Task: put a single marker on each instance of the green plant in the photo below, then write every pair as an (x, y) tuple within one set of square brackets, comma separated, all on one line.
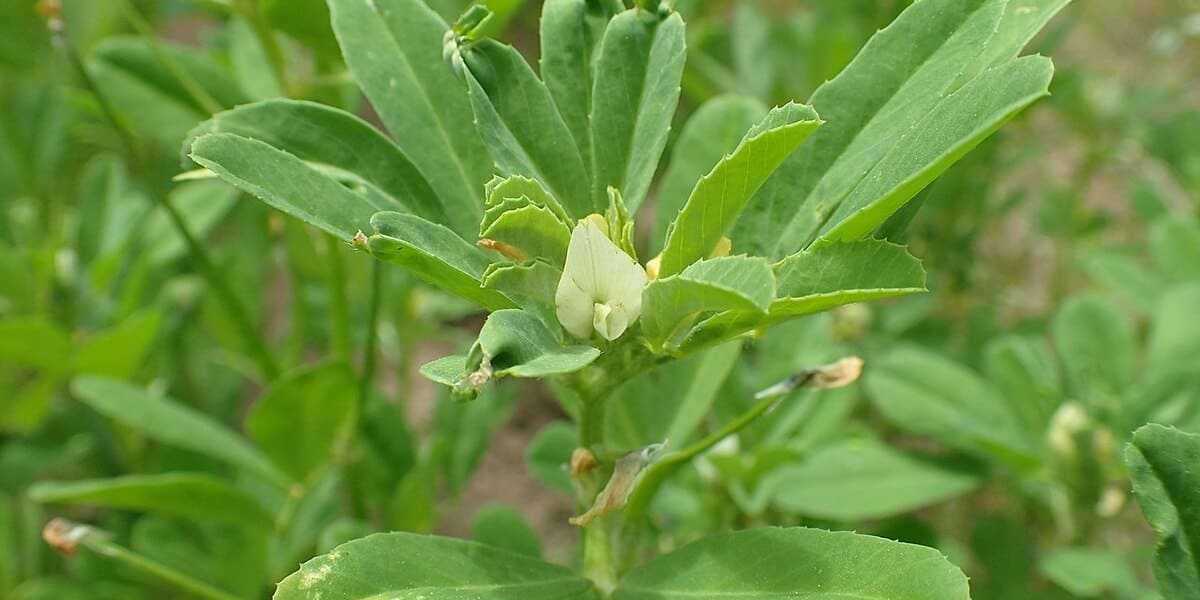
[(570, 157)]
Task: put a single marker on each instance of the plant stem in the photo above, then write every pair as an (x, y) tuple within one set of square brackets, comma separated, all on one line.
[(66, 537), (215, 278), (220, 286), (339, 304), (372, 350), (251, 10), (193, 89)]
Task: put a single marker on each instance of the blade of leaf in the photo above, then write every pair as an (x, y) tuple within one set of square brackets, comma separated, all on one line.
[(397, 565), (570, 31), (166, 421), (518, 344), (203, 498), (435, 254), (1162, 465), (639, 65), (304, 416), (336, 139), (712, 132), (948, 132), (893, 82), (285, 183), (523, 129), (799, 563), (737, 283), (862, 479), (394, 51), (719, 197)]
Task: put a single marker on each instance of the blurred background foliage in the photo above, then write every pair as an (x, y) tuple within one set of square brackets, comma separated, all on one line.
[(1064, 260)]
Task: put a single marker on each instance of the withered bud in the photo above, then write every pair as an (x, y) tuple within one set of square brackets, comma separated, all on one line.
[(49, 9), (839, 374), (653, 267), (582, 461), (723, 248), (509, 251), (64, 535), (359, 241)]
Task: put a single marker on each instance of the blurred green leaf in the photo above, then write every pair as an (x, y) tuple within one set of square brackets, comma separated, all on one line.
[(168, 422), (1096, 346), (1089, 573), (304, 417), (190, 495), (502, 527), (929, 395), (398, 564), (549, 453), (863, 479), (1175, 246), (1024, 371), (671, 304), (119, 352)]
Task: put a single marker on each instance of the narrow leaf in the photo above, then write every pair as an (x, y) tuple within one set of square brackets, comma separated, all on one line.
[(338, 140), (516, 343), (404, 565), (859, 480), (193, 496), (523, 129), (736, 283), (285, 183), (1162, 463), (166, 421), (638, 70), (435, 254), (394, 51), (303, 416), (719, 197), (796, 563), (822, 278)]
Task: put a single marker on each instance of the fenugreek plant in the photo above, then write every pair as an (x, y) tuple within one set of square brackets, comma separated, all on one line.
[(518, 190)]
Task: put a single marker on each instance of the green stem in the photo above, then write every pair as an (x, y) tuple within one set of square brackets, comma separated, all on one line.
[(251, 10), (214, 277), (220, 286), (598, 564), (67, 536), (339, 303), (199, 95), (370, 357)]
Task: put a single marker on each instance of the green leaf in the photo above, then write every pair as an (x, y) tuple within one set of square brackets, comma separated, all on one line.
[(305, 20), (35, 342), (534, 230), (929, 395), (836, 274), (719, 197), (1123, 275), (712, 132), (796, 563), (639, 65), (339, 142), (1175, 336), (523, 129), (394, 51), (118, 352), (1175, 246), (530, 285), (864, 479), (502, 527), (1097, 348), (601, 286), (202, 204), (1025, 372), (570, 32), (1090, 573), (251, 66), (1162, 465), (304, 416), (504, 193), (166, 421), (400, 565), (436, 255), (889, 101), (286, 183), (671, 304), (517, 344), (190, 495), (946, 134), (683, 391), (549, 453)]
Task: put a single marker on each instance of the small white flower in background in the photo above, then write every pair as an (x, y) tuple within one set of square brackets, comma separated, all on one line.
[(601, 286)]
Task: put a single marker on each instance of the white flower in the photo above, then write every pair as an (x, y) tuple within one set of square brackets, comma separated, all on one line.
[(601, 286)]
